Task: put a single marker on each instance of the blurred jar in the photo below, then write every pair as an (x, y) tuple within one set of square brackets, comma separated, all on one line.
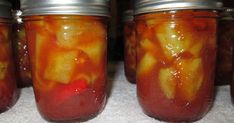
[(129, 47), (21, 52), (8, 89), (176, 53), (225, 47), (68, 54), (115, 34)]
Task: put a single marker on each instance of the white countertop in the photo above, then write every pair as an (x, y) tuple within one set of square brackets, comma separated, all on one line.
[(122, 105)]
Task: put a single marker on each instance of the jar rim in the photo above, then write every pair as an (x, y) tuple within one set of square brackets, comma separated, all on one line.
[(65, 7), (147, 6)]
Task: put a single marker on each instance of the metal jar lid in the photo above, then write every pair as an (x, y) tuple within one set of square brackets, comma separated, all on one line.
[(146, 6), (5, 9), (65, 7), (128, 15)]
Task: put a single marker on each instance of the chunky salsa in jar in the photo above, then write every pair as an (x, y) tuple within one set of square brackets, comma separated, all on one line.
[(129, 47), (176, 51), (8, 89), (21, 52), (68, 55), (176, 60)]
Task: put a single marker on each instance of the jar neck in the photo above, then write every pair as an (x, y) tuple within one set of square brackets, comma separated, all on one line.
[(62, 17), (173, 14)]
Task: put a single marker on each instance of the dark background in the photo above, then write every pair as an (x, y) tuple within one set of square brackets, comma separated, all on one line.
[(15, 4)]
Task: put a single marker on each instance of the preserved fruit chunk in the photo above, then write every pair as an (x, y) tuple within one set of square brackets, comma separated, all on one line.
[(94, 51), (196, 49), (147, 44), (191, 75), (146, 63), (67, 35), (171, 40), (3, 70), (167, 83), (61, 66)]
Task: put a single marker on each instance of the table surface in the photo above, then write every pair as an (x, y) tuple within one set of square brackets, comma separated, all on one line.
[(122, 105)]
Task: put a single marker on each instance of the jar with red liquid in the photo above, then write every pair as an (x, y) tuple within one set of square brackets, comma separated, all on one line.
[(176, 53), (67, 42), (21, 51), (8, 89), (129, 47), (224, 53)]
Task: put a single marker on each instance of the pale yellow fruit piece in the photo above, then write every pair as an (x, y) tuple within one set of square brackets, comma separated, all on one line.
[(196, 49), (146, 63), (167, 82), (40, 40), (151, 22), (3, 69), (191, 77), (95, 50), (146, 44), (61, 66), (67, 35), (172, 42)]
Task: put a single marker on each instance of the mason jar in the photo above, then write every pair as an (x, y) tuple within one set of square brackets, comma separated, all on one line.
[(129, 47), (67, 42), (224, 53), (8, 89), (176, 53), (20, 51)]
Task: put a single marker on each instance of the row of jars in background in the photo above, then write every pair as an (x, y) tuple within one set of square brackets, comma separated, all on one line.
[(171, 55)]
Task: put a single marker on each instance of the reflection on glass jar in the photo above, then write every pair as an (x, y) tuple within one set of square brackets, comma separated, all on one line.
[(129, 47), (224, 52), (176, 52), (68, 55), (8, 89), (21, 52)]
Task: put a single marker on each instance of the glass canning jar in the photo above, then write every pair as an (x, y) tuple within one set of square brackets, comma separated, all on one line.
[(176, 52), (129, 47), (68, 54), (8, 89)]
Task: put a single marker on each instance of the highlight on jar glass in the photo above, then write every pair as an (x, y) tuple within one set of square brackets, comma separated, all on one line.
[(129, 47), (8, 89), (176, 53), (224, 53), (20, 50), (67, 42)]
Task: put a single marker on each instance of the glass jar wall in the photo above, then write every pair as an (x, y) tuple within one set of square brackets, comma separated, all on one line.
[(176, 61)]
